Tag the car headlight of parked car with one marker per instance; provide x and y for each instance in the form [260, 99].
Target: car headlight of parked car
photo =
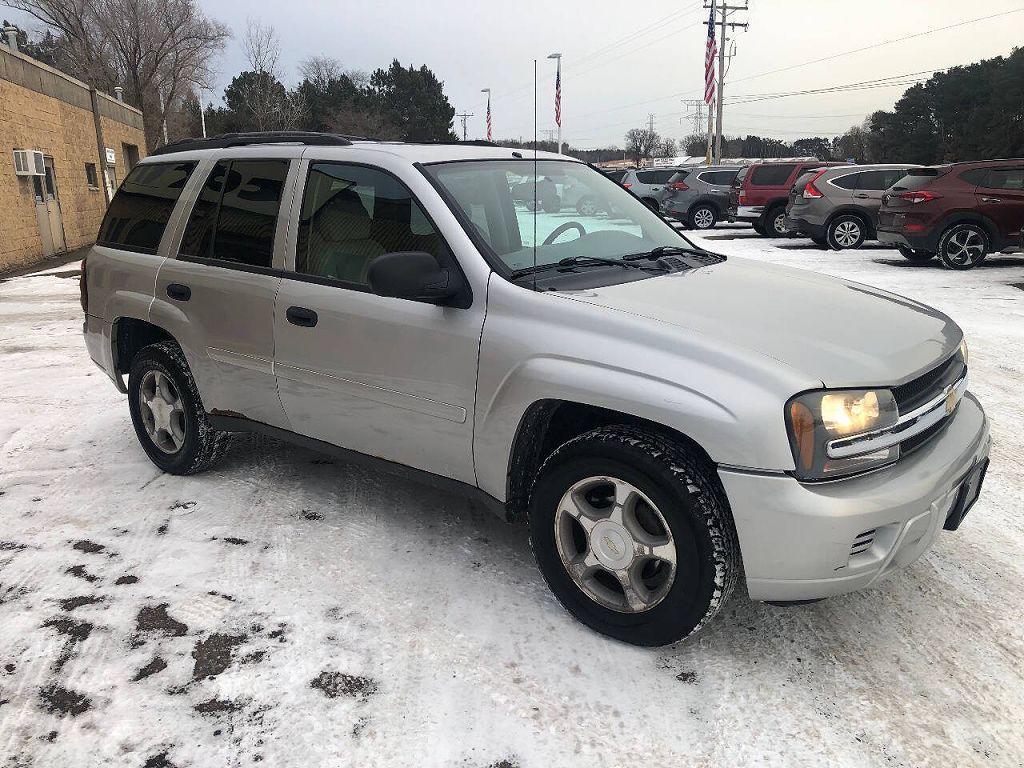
[817, 419]
[963, 351]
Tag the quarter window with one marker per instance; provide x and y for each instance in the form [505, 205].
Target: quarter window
[235, 215]
[850, 181]
[350, 215]
[138, 214]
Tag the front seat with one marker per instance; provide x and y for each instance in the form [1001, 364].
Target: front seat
[340, 245]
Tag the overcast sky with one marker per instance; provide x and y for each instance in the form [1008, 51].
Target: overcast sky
[612, 77]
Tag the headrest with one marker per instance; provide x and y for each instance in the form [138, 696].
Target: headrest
[343, 218]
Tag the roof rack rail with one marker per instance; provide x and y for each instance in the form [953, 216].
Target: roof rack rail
[456, 142]
[225, 140]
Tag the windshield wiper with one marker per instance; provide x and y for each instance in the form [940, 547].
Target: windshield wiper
[586, 261]
[666, 250]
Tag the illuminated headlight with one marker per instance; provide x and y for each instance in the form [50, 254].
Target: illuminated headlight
[816, 418]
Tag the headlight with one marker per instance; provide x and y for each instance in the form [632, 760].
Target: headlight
[815, 419]
[963, 350]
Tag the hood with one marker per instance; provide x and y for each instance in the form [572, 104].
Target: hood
[840, 332]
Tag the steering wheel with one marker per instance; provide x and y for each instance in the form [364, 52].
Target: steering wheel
[564, 228]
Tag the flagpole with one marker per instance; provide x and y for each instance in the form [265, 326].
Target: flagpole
[558, 96]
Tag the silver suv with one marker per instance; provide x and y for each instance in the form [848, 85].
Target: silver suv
[699, 196]
[648, 183]
[658, 413]
[838, 206]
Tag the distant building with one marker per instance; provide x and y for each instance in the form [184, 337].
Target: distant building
[67, 148]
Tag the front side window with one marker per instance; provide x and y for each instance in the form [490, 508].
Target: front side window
[138, 214]
[591, 217]
[350, 215]
[770, 175]
[235, 216]
[1006, 178]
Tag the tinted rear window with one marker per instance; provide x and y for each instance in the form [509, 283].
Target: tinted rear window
[919, 178]
[138, 214]
[771, 175]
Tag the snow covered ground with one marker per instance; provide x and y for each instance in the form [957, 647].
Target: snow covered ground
[291, 610]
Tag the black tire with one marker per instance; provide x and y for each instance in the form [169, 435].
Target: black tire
[703, 216]
[202, 445]
[651, 203]
[552, 204]
[775, 222]
[821, 242]
[916, 256]
[846, 232]
[759, 228]
[586, 206]
[950, 253]
[686, 490]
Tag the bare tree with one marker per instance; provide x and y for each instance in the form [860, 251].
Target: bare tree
[157, 49]
[265, 101]
[666, 148]
[640, 143]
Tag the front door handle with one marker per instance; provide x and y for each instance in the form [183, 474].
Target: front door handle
[301, 316]
[991, 200]
[179, 292]
[862, 196]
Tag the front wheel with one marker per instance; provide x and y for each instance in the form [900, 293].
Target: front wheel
[775, 223]
[846, 232]
[168, 414]
[587, 206]
[703, 217]
[633, 535]
[963, 246]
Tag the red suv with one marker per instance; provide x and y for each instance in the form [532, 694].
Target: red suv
[961, 212]
[760, 193]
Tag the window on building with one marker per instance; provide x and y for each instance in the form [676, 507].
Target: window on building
[352, 214]
[235, 216]
[138, 214]
[90, 176]
[130, 152]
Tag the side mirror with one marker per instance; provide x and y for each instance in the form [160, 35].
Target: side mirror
[413, 275]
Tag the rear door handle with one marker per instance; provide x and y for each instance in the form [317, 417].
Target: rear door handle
[301, 316]
[862, 196]
[179, 292]
[991, 200]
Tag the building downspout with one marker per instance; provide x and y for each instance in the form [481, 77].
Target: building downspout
[101, 147]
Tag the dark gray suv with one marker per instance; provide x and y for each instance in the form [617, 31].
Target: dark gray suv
[699, 196]
[838, 206]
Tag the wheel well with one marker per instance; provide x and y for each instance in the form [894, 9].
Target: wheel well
[869, 233]
[130, 336]
[994, 240]
[709, 203]
[549, 423]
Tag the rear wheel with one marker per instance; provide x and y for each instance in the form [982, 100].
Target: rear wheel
[703, 217]
[845, 232]
[586, 206]
[918, 257]
[633, 535]
[168, 414]
[759, 227]
[651, 203]
[963, 246]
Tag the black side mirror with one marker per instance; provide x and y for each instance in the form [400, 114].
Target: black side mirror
[413, 275]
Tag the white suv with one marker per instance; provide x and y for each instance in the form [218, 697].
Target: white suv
[658, 413]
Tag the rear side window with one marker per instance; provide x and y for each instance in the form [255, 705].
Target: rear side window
[771, 175]
[977, 176]
[1006, 178]
[138, 214]
[350, 215]
[647, 177]
[849, 181]
[718, 178]
[235, 216]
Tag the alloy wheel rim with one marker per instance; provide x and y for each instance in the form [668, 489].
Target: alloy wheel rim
[702, 218]
[162, 411]
[615, 544]
[847, 233]
[965, 247]
[780, 224]
[588, 208]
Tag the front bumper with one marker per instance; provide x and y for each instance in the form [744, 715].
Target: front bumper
[802, 541]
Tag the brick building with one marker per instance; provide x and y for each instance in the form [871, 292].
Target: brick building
[80, 145]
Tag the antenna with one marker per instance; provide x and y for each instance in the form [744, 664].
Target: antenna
[535, 174]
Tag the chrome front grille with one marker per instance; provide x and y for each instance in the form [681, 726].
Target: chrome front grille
[928, 385]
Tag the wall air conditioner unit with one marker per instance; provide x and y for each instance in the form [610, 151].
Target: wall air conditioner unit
[29, 162]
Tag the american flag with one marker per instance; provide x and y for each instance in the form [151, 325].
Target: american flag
[488, 117]
[709, 60]
[558, 97]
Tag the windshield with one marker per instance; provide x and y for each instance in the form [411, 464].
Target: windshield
[562, 211]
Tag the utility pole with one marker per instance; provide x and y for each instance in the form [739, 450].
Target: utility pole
[463, 116]
[724, 11]
[650, 122]
[695, 110]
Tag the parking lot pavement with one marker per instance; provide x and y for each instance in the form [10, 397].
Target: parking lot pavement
[289, 609]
